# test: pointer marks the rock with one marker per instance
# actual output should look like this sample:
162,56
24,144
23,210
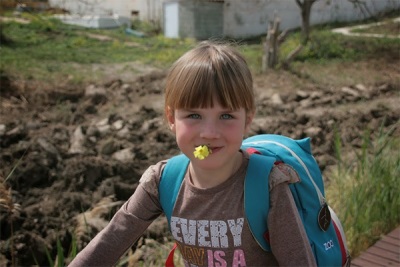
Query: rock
77,142
92,131
151,124
361,87
14,135
109,147
124,132
102,122
48,147
313,131
2,129
124,155
113,83
92,90
349,91
316,95
305,103
276,99
19,130
103,127
300,95
98,95
126,88
117,125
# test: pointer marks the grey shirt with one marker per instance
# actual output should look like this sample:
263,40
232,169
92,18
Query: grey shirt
208,225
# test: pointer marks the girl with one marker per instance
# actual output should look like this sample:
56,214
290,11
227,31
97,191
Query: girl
209,102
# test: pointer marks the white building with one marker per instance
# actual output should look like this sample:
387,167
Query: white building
229,18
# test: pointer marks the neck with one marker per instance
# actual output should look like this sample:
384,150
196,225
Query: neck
202,178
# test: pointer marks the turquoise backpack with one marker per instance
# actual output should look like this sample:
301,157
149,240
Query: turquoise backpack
322,226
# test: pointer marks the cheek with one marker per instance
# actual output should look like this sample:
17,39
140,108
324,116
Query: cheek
235,133
236,127
184,137
182,130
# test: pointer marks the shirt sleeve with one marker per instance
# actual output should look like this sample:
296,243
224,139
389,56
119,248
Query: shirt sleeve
288,239
126,227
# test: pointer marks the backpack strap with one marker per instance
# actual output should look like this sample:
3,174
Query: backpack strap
170,183
256,197
169,262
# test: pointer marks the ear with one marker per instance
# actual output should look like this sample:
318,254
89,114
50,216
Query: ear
249,120
171,119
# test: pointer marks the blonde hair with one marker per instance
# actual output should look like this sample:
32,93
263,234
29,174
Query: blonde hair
210,71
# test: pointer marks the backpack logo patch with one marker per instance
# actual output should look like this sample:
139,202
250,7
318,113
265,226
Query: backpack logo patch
324,218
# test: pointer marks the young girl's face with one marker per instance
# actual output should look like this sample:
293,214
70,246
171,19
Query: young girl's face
219,128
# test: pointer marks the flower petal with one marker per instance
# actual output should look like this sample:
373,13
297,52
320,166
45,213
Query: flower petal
201,152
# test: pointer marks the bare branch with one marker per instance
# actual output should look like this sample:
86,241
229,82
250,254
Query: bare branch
360,4
292,55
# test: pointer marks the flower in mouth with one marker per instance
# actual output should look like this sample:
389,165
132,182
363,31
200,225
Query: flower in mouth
202,152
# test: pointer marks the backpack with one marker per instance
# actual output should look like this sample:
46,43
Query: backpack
321,224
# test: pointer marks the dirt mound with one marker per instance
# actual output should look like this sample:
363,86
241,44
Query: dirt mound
67,151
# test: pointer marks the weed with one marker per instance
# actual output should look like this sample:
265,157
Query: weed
366,192
8,205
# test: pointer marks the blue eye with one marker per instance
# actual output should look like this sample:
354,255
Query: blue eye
226,116
194,116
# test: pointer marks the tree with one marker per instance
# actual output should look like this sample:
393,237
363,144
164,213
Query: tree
305,9
271,45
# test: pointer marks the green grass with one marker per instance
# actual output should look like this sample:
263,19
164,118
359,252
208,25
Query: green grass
325,45
365,190
50,51
47,50
390,28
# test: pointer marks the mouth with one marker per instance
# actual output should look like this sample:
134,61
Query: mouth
203,151
215,149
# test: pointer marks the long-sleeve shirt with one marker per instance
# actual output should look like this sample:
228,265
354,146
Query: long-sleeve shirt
209,225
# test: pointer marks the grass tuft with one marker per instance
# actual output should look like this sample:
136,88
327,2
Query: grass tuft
365,191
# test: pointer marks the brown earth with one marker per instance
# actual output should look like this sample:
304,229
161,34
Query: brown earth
68,150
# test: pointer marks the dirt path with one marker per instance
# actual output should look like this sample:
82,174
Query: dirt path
352,31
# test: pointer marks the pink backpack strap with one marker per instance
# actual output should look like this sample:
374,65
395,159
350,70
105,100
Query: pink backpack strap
170,260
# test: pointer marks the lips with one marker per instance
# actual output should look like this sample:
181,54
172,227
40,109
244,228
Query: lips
215,149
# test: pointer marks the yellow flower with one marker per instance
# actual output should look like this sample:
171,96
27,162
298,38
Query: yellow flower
201,152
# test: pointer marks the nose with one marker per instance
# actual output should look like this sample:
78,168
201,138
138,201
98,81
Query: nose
209,130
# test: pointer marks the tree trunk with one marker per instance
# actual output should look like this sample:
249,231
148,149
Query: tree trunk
305,7
271,46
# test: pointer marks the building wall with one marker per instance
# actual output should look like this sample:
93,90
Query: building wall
200,20
97,7
150,10
147,10
242,19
